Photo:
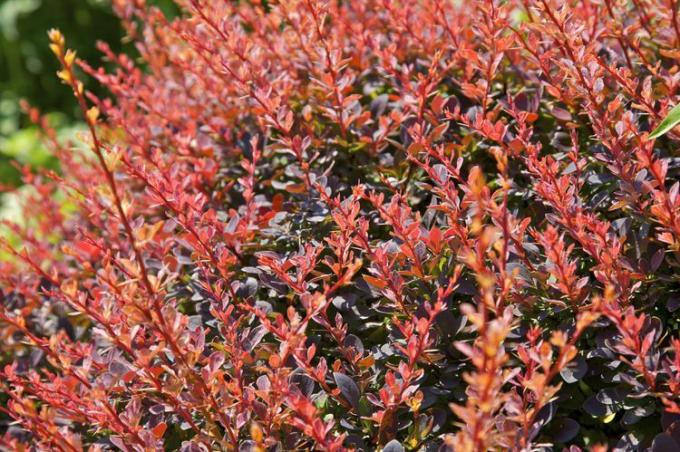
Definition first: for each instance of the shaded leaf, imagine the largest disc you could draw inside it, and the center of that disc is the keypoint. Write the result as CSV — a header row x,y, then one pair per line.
x,y
393,446
664,443
565,429
349,389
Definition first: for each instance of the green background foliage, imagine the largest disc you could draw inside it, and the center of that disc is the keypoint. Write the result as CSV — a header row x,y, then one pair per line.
x,y
27,69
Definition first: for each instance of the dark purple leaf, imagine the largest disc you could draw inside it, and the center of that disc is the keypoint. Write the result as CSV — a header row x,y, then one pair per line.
x,y
348,388
575,370
596,408
664,443
565,429
393,446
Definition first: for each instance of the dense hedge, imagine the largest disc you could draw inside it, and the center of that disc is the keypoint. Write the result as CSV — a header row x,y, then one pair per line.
x,y
357,224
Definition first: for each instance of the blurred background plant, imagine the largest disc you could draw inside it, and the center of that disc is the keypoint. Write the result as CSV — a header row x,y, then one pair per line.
x,y
27,71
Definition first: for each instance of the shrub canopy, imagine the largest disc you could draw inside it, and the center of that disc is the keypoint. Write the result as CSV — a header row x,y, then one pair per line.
x,y
356,224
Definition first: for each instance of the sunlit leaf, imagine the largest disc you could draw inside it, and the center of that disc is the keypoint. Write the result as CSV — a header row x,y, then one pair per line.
x,y
669,122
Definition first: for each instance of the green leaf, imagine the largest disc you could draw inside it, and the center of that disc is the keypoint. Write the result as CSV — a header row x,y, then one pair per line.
x,y
608,419
26,147
670,121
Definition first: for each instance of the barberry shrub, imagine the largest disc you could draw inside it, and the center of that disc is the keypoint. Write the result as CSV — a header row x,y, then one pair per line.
x,y
356,225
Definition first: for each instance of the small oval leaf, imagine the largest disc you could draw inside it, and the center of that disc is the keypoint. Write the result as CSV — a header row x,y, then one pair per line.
x,y
348,388
393,446
565,430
